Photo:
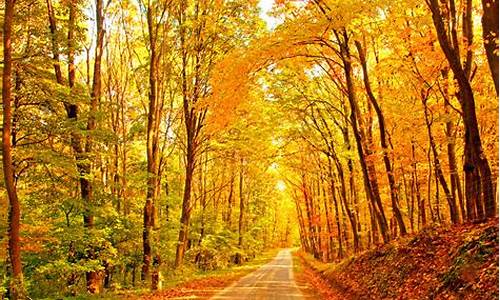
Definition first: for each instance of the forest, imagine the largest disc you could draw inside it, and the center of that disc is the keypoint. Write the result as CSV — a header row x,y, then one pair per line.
x,y
145,141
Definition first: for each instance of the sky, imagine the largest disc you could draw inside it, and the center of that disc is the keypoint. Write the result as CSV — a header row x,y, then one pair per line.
x,y
265,7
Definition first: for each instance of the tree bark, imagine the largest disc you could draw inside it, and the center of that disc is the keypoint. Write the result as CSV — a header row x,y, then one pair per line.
x,y
478,182
186,206
230,201
383,141
94,278
155,107
241,218
343,192
456,186
340,253
368,176
191,88
437,168
16,286
490,36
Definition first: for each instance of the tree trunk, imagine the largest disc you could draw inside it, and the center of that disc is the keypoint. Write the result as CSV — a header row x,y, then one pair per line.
x,y
94,278
328,218
55,47
352,184
437,167
429,184
478,182
383,141
16,286
71,108
193,121
368,176
490,36
420,202
241,218
456,188
343,192
186,209
340,253
311,227
230,201
151,258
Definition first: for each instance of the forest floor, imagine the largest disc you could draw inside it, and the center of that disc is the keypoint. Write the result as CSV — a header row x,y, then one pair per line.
x,y
456,262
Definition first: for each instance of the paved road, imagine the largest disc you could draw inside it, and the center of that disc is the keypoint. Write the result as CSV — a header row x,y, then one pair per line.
x,y
272,281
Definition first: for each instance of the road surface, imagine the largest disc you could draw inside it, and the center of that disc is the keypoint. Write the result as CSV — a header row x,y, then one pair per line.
x,y
272,281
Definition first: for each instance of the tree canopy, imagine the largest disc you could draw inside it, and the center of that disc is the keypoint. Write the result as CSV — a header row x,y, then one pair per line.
x,y
141,138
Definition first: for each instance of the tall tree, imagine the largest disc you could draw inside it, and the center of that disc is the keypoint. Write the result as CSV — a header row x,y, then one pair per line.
x,y
156,16
94,278
193,86
16,286
490,36
383,140
479,193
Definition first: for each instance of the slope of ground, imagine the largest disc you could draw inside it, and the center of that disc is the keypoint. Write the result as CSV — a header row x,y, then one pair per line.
x,y
459,262
311,282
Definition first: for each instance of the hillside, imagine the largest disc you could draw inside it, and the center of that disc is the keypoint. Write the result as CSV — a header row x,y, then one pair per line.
x,y
460,262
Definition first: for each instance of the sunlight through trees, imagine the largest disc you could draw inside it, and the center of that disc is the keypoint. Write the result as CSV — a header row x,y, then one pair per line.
x,y
147,139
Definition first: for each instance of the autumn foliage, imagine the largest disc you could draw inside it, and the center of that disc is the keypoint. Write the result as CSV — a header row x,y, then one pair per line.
x,y
144,139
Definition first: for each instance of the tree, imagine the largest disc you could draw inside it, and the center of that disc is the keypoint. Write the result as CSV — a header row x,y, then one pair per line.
x,y
478,183
490,36
157,34
16,285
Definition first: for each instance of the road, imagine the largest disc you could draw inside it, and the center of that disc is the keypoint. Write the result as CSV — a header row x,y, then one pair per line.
x,y
274,280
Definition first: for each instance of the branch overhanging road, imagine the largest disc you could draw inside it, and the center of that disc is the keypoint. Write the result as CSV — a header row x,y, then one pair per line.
x,y
274,280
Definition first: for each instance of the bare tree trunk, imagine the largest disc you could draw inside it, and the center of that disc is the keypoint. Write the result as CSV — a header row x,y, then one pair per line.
x,y
340,253
350,214
186,208
55,47
328,217
311,227
429,184
409,199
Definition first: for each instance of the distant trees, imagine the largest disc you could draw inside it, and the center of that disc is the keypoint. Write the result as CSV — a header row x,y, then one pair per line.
x,y
337,73
158,142
106,141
